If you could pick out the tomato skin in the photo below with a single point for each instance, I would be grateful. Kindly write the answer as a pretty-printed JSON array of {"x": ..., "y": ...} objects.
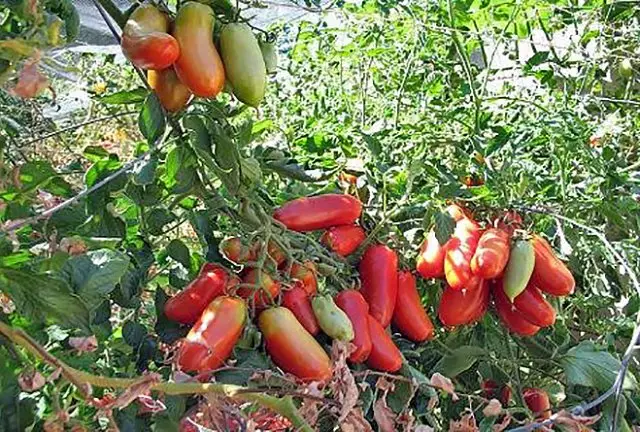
[
  {"x": 262, "y": 296},
  {"x": 509, "y": 315},
  {"x": 549, "y": 273},
  {"x": 332, "y": 320},
  {"x": 492, "y": 254},
  {"x": 306, "y": 274},
  {"x": 462, "y": 307},
  {"x": 319, "y": 212},
  {"x": 275, "y": 252},
  {"x": 505, "y": 395},
  {"x": 357, "y": 309},
  {"x": 489, "y": 388},
  {"x": 379, "y": 276},
  {"x": 510, "y": 221},
  {"x": 537, "y": 401},
  {"x": 409, "y": 316},
  {"x": 145, "y": 40},
  {"x": 236, "y": 251},
  {"x": 430, "y": 262},
  {"x": 186, "y": 306},
  {"x": 212, "y": 338},
  {"x": 459, "y": 252},
  {"x": 199, "y": 65},
  {"x": 533, "y": 307},
  {"x": 457, "y": 212},
  {"x": 297, "y": 301},
  {"x": 343, "y": 239},
  {"x": 291, "y": 347},
  {"x": 385, "y": 355},
  {"x": 518, "y": 272},
  {"x": 173, "y": 95}
]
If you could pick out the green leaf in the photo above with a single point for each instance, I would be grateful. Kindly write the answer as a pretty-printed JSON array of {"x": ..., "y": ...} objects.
[
  {"x": 288, "y": 169},
  {"x": 125, "y": 97},
  {"x": 144, "y": 172},
  {"x": 133, "y": 333},
  {"x": 95, "y": 153},
  {"x": 458, "y": 361},
  {"x": 179, "y": 252},
  {"x": 157, "y": 219},
  {"x": 444, "y": 227},
  {"x": 152, "y": 119}
]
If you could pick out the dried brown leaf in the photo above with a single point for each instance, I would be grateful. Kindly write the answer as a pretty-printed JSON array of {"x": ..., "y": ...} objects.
[
  {"x": 384, "y": 417},
  {"x": 141, "y": 387},
  {"x": 506, "y": 421},
  {"x": 30, "y": 81},
  {"x": 84, "y": 344},
  {"x": 493, "y": 408},
  {"x": 31, "y": 380},
  {"x": 422, "y": 428},
  {"x": 355, "y": 422},
  {"x": 575, "y": 423},
  {"x": 467, "y": 423},
  {"x": 443, "y": 383},
  {"x": 55, "y": 375},
  {"x": 343, "y": 384}
]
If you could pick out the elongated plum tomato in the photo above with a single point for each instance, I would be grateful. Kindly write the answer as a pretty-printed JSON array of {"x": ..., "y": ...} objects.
[
  {"x": 533, "y": 307},
  {"x": 236, "y": 251},
  {"x": 212, "y": 338},
  {"x": 357, "y": 309},
  {"x": 379, "y": 276},
  {"x": 459, "y": 252},
  {"x": 409, "y": 316},
  {"x": 385, "y": 355},
  {"x": 492, "y": 254},
  {"x": 291, "y": 347},
  {"x": 510, "y": 221},
  {"x": 332, "y": 320},
  {"x": 275, "y": 252},
  {"x": 537, "y": 401},
  {"x": 264, "y": 293},
  {"x": 186, "y": 306},
  {"x": 509, "y": 315},
  {"x": 549, "y": 273},
  {"x": 297, "y": 301},
  {"x": 462, "y": 307},
  {"x": 146, "y": 41},
  {"x": 173, "y": 95},
  {"x": 343, "y": 239},
  {"x": 199, "y": 65},
  {"x": 519, "y": 268},
  {"x": 430, "y": 262},
  {"x": 319, "y": 212}
]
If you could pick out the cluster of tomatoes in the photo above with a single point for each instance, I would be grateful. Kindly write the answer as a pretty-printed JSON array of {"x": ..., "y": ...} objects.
[
  {"x": 182, "y": 59},
  {"x": 536, "y": 399}
]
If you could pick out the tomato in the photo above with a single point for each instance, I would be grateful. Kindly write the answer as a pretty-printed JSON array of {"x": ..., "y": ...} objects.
[
  {"x": 519, "y": 268},
  {"x": 489, "y": 388},
  {"x": 409, "y": 317},
  {"x": 461, "y": 307},
  {"x": 264, "y": 293},
  {"x": 332, "y": 320},
  {"x": 297, "y": 301},
  {"x": 549, "y": 273},
  {"x": 357, "y": 309},
  {"x": 343, "y": 239},
  {"x": 173, "y": 95},
  {"x": 199, "y": 66},
  {"x": 232, "y": 284},
  {"x": 275, "y": 252},
  {"x": 291, "y": 347},
  {"x": 457, "y": 212},
  {"x": 186, "y": 306},
  {"x": 505, "y": 395},
  {"x": 385, "y": 355},
  {"x": 379, "y": 276},
  {"x": 243, "y": 63},
  {"x": 319, "y": 212},
  {"x": 509, "y": 315},
  {"x": 492, "y": 254},
  {"x": 537, "y": 401},
  {"x": 625, "y": 68},
  {"x": 472, "y": 180},
  {"x": 533, "y": 307},
  {"x": 145, "y": 40},
  {"x": 212, "y": 338},
  {"x": 270, "y": 56},
  {"x": 459, "y": 252},
  {"x": 430, "y": 262},
  {"x": 306, "y": 274},
  {"x": 236, "y": 251},
  {"x": 510, "y": 221}
]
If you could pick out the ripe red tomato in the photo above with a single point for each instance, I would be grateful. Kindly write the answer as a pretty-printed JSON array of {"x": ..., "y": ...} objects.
[
  {"x": 461, "y": 307},
  {"x": 409, "y": 316},
  {"x": 306, "y": 274},
  {"x": 357, "y": 309},
  {"x": 505, "y": 395},
  {"x": 549, "y": 273},
  {"x": 489, "y": 388},
  {"x": 319, "y": 212},
  {"x": 492, "y": 254},
  {"x": 537, "y": 401},
  {"x": 385, "y": 355},
  {"x": 291, "y": 347},
  {"x": 343, "y": 239},
  {"x": 459, "y": 251},
  {"x": 533, "y": 307},
  {"x": 186, "y": 306},
  {"x": 297, "y": 301},
  {"x": 263, "y": 294},
  {"x": 509, "y": 315},
  {"x": 379, "y": 276},
  {"x": 430, "y": 262},
  {"x": 212, "y": 338}
]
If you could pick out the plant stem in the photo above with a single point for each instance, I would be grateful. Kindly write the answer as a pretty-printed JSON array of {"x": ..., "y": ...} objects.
[{"x": 114, "y": 12}]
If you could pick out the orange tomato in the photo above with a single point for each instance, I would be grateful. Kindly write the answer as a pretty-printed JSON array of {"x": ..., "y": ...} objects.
[{"x": 173, "y": 95}]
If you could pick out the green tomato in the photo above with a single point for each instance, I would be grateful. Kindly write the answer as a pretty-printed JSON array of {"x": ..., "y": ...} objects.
[
  {"x": 519, "y": 268},
  {"x": 625, "y": 68},
  {"x": 332, "y": 320}
]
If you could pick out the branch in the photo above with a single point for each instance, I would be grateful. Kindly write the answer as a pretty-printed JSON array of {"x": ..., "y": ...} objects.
[{"x": 114, "y": 12}]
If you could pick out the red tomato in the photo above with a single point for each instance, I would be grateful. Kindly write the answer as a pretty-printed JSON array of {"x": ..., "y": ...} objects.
[
  {"x": 510, "y": 221},
  {"x": 385, "y": 355},
  {"x": 232, "y": 284},
  {"x": 173, "y": 95},
  {"x": 343, "y": 239},
  {"x": 379, "y": 276},
  {"x": 409, "y": 316},
  {"x": 492, "y": 254},
  {"x": 306, "y": 274},
  {"x": 505, "y": 395},
  {"x": 459, "y": 251},
  {"x": 212, "y": 338},
  {"x": 319, "y": 212},
  {"x": 537, "y": 401},
  {"x": 533, "y": 307},
  {"x": 509, "y": 315},
  {"x": 357, "y": 309},
  {"x": 265, "y": 292},
  {"x": 236, "y": 251},
  {"x": 291, "y": 347},
  {"x": 297, "y": 301},
  {"x": 489, "y": 388},
  {"x": 186, "y": 306},
  {"x": 457, "y": 212},
  {"x": 430, "y": 262},
  {"x": 461, "y": 307},
  {"x": 273, "y": 250},
  {"x": 549, "y": 273}
]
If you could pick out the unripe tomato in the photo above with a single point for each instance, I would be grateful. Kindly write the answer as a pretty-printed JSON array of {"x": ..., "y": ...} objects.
[
  {"x": 626, "y": 68},
  {"x": 343, "y": 239},
  {"x": 461, "y": 307},
  {"x": 459, "y": 251},
  {"x": 385, "y": 355},
  {"x": 409, "y": 316},
  {"x": 236, "y": 251},
  {"x": 270, "y": 56},
  {"x": 319, "y": 212},
  {"x": 291, "y": 347},
  {"x": 549, "y": 273},
  {"x": 199, "y": 66},
  {"x": 509, "y": 315},
  {"x": 519, "y": 268},
  {"x": 379, "y": 276},
  {"x": 332, "y": 320},
  {"x": 533, "y": 307},
  {"x": 306, "y": 274},
  {"x": 212, "y": 338},
  {"x": 173, "y": 95},
  {"x": 492, "y": 254},
  {"x": 263, "y": 294},
  {"x": 537, "y": 401},
  {"x": 145, "y": 40},
  {"x": 430, "y": 262},
  {"x": 186, "y": 306},
  {"x": 357, "y": 309},
  {"x": 297, "y": 301}
]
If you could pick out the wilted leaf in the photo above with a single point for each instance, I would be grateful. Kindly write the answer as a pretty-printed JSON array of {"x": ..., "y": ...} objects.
[
  {"x": 84, "y": 344},
  {"x": 575, "y": 423},
  {"x": 30, "y": 380},
  {"x": 140, "y": 388},
  {"x": 443, "y": 383},
  {"x": 384, "y": 417},
  {"x": 343, "y": 385},
  {"x": 493, "y": 408},
  {"x": 467, "y": 423},
  {"x": 30, "y": 82}
]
